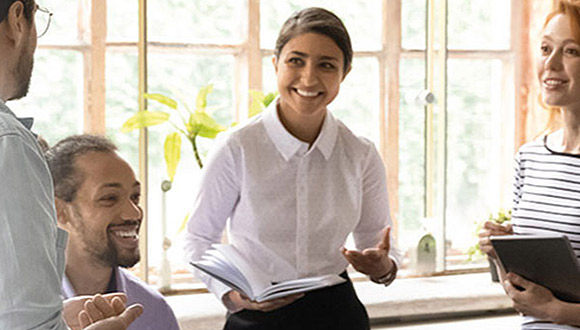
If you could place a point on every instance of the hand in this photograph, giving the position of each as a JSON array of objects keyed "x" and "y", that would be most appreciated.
[
  {"x": 533, "y": 300},
  {"x": 374, "y": 262},
  {"x": 99, "y": 314},
  {"x": 491, "y": 228},
  {"x": 236, "y": 302},
  {"x": 73, "y": 306}
]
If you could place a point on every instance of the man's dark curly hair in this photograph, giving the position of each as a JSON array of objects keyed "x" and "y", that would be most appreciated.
[{"x": 61, "y": 162}]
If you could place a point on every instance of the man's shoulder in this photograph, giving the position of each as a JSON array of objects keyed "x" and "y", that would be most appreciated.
[
  {"x": 136, "y": 287},
  {"x": 11, "y": 128},
  {"x": 157, "y": 310},
  {"x": 18, "y": 142},
  {"x": 357, "y": 146},
  {"x": 9, "y": 124}
]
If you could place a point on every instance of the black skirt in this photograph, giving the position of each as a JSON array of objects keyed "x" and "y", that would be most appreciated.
[{"x": 333, "y": 308}]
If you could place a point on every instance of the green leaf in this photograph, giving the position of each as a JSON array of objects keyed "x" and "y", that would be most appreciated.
[
  {"x": 162, "y": 99},
  {"x": 183, "y": 224},
  {"x": 260, "y": 101},
  {"x": 144, "y": 119},
  {"x": 269, "y": 98},
  {"x": 201, "y": 101},
  {"x": 172, "y": 153},
  {"x": 256, "y": 95},
  {"x": 257, "y": 104},
  {"x": 202, "y": 124}
]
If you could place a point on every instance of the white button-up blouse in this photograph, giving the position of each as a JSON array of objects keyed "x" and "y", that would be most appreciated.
[{"x": 290, "y": 207}]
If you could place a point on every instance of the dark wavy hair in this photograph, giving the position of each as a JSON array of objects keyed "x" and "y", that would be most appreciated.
[
  {"x": 61, "y": 162},
  {"x": 316, "y": 20},
  {"x": 6, "y": 4}
]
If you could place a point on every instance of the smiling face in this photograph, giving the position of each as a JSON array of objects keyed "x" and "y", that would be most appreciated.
[
  {"x": 104, "y": 218},
  {"x": 559, "y": 64},
  {"x": 309, "y": 71}
]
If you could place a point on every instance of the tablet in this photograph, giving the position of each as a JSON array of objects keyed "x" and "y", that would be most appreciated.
[{"x": 547, "y": 260}]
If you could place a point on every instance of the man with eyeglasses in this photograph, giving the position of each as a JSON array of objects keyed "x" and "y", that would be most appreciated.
[{"x": 31, "y": 245}]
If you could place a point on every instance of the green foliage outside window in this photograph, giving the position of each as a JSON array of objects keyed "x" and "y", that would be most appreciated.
[{"x": 474, "y": 252}]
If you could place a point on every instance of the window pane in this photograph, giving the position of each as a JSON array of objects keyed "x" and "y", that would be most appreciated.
[
  {"x": 218, "y": 21},
  {"x": 357, "y": 104},
  {"x": 479, "y": 24},
  {"x": 62, "y": 29},
  {"x": 123, "y": 20},
  {"x": 411, "y": 153},
  {"x": 365, "y": 33},
  {"x": 475, "y": 164},
  {"x": 181, "y": 76},
  {"x": 414, "y": 23},
  {"x": 122, "y": 102},
  {"x": 55, "y": 95},
  {"x": 268, "y": 75}
]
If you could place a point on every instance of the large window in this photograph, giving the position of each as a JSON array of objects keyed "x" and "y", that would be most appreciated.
[{"x": 87, "y": 68}]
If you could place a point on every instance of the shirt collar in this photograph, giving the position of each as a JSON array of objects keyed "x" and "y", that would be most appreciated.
[
  {"x": 26, "y": 121},
  {"x": 288, "y": 145},
  {"x": 116, "y": 284}
]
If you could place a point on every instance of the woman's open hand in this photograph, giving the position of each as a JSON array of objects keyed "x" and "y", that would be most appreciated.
[{"x": 374, "y": 262}]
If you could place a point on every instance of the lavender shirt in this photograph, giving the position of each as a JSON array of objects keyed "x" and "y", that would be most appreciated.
[{"x": 157, "y": 315}]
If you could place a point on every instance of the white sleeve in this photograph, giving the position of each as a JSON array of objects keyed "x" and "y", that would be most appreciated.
[
  {"x": 31, "y": 247},
  {"x": 215, "y": 200},
  {"x": 375, "y": 213}
]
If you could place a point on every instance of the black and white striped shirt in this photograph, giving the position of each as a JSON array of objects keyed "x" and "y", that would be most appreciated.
[{"x": 546, "y": 200}]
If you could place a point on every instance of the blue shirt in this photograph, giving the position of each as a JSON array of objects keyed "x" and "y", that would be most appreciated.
[
  {"x": 157, "y": 315},
  {"x": 31, "y": 245}
]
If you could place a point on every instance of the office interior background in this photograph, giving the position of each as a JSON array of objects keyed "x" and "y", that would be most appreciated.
[{"x": 445, "y": 89}]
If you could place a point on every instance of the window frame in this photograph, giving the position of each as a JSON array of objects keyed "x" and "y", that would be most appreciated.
[{"x": 93, "y": 44}]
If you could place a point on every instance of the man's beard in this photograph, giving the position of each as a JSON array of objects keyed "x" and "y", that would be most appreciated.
[
  {"x": 22, "y": 74},
  {"x": 105, "y": 254}
]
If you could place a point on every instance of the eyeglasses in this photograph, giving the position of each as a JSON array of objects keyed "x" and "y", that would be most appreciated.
[{"x": 42, "y": 20}]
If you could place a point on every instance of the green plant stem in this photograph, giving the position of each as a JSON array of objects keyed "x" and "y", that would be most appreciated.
[{"x": 195, "y": 151}]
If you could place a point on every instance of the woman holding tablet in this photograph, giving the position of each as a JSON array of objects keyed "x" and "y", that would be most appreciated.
[
  {"x": 547, "y": 171},
  {"x": 294, "y": 182}
]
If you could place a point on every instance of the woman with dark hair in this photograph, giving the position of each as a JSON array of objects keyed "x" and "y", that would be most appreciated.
[
  {"x": 295, "y": 182},
  {"x": 547, "y": 171}
]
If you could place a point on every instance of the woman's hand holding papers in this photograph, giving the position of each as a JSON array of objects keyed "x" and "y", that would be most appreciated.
[
  {"x": 235, "y": 302},
  {"x": 374, "y": 262},
  {"x": 491, "y": 228}
]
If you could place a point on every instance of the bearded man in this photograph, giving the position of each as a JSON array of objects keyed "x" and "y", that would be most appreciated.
[
  {"x": 31, "y": 245},
  {"x": 97, "y": 202}
]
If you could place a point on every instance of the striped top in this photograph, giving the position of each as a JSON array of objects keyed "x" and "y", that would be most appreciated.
[{"x": 546, "y": 200}]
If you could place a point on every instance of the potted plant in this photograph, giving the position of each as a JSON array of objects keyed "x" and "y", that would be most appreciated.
[
  {"x": 190, "y": 123},
  {"x": 474, "y": 252}
]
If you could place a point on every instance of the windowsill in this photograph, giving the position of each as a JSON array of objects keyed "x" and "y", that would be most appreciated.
[{"x": 405, "y": 300}]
